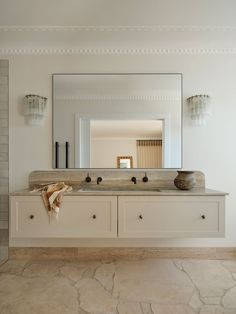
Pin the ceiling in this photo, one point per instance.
(117, 12)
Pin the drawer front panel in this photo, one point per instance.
(178, 217)
(78, 217)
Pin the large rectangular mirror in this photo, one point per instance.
(117, 120)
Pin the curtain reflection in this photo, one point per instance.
(149, 153)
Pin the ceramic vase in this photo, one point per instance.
(185, 180)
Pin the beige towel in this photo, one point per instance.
(52, 195)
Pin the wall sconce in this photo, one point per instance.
(34, 109)
(199, 106)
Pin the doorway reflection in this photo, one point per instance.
(126, 143)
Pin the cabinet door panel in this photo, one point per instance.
(78, 217)
(190, 216)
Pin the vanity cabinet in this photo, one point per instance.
(116, 216)
(80, 216)
(175, 216)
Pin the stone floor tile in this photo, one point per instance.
(147, 286)
(43, 268)
(13, 267)
(152, 281)
(83, 312)
(215, 309)
(195, 302)
(129, 308)
(210, 277)
(171, 309)
(80, 283)
(230, 265)
(211, 300)
(85, 264)
(24, 295)
(229, 300)
(104, 274)
(73, 272)
(146, 308)
(95, 299)
(178, 263)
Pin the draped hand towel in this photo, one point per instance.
(52, 195)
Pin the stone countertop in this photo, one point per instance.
(162, 192)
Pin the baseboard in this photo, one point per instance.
(120, 253)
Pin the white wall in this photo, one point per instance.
(211, 149)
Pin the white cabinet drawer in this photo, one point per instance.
(80, 216)
(180, 216)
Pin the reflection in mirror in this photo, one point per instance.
(140, 140)
(117, 120)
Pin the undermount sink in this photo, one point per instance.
(105, 188)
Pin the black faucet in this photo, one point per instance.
(99, 179)
(133, 179)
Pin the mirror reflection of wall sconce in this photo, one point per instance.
(124, 162)
(199, 107)
(34, 109)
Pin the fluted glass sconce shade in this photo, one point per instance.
(34, 109)
(199, 107)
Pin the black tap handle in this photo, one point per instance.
(88, 178)
(145, 178)
(67, 154)
(56, 154)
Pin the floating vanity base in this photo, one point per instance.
(116, 218)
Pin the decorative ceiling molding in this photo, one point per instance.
(117, 51)
(117, 40)
(119, 97)
(155, 28)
